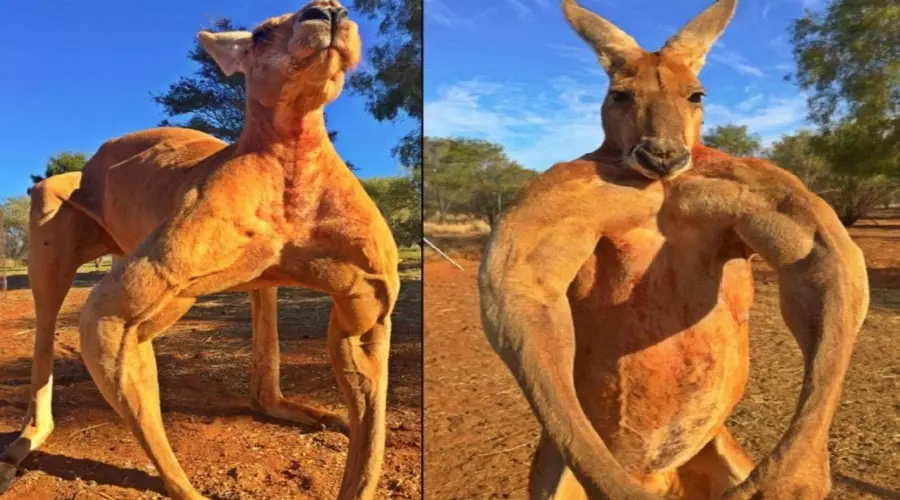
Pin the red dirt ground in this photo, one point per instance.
(227, 451)
(480, 433)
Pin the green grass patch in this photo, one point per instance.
(411, 263)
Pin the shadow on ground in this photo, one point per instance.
(72, 469)
(865, 487)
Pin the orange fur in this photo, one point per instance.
(192, 216)
(619, 295)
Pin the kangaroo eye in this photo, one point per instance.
(620, 96)
(697, 97)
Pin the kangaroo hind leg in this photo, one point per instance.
(61, 238)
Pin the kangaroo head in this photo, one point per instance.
(300, 57)
(654, 109)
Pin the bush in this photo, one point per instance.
(854, 197)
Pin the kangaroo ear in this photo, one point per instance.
(693, 42)
(229, 49)
(613, 46)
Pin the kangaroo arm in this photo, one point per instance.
(824, 297)
(537, 344)
(533, 256)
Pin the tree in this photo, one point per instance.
(397, 199)
(450, 171)
(15, 226)
(61, 163)
(212, 102)
(394, 85)
(851, 196)
(797, 154)
(470, 176)
(733, 139)
(497, 185)
(855, 148)
(848, 61)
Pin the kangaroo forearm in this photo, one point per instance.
(824, 306)
(537, 343)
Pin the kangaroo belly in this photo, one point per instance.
(661, 358)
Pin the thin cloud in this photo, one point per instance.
(722, 55)
(521, 9)
(582, 54)
(750, 103)
(525, 9)
(779, 42)
(438, 12)
(765, 12)
(537, 127)
(771, 117)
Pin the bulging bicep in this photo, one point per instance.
(539, 258)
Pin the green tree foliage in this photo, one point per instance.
(497, 185)
(60, 163)
(210, 101)
(797, 154)
(15, 226)
(848, 61)
(855, 148)
(394, 84)
(851, 196)
(392, 88)
(449, 172)
(398, 200)
(470, 176)
(734, 139)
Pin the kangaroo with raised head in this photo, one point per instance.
(191, 216)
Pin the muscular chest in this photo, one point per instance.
(661, 332)
(669, 261)
(663, 279)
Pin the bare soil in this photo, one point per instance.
(228, 451)
(480, 433)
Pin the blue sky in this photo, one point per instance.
(77, 73)
(514, 73)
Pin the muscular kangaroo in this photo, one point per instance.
(618, 291)
(192, 215)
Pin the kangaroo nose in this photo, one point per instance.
(662, 156)
(335, 15)
(315, 14)
(339, 14)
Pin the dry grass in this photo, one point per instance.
(457, 228)
(459, 237)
